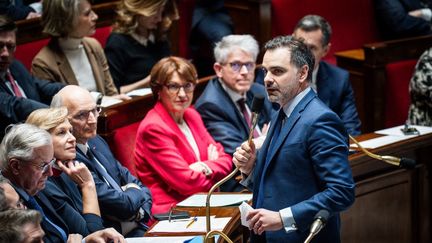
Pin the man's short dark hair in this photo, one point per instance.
(316, 22)
(300, 53)
(12, 222)
(7, 24)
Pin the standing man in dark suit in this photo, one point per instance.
(330, 82)
(20, 93)
(302, 167)
(124, 201)
(225, 104)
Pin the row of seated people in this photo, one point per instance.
(232, 65)
(83, 112)
(170, 130)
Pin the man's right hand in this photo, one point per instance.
(244, 157)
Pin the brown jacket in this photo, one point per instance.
(51, 64)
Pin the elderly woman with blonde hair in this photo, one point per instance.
(139, 40)
(79, 208)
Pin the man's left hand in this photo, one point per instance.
(261, 220)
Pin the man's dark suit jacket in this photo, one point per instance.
(51, 234)
(70, 208)
(305, 168)
(222, 118)
(395, 22)
(39, 93)
(334, 89)
(115, 204)
(16, 11)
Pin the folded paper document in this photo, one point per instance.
(216, 200)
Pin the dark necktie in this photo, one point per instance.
(103, 171)
(280, 121)
(14, 85)
(33, 204)
(246, 115)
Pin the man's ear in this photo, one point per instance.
(14, 166)
(217, 67)
(303, 72)
(326, 49)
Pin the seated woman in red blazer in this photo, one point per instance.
(175, 155)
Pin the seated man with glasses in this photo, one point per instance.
(225, 104)
(28, 154)
(175, 156)
(20, 93)
(125, 203)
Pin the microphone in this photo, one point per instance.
(405, 163)
(318, 224)
(257, 106)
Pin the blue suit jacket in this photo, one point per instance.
(334, 89)
(308, 170)
(51, 234)
(39, 93)
(70, 208)
(115, 204)
(222, 118)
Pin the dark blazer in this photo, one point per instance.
(69, 209)
(115, 204)
(222, 118)
(39, 93)
(16, 11)
(395, 22)
(51, 234)
(307, 170)
(334, 89)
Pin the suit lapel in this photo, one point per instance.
(64, 67)
(230, 107)
(285, 130)
(103, 160)
(169, 121)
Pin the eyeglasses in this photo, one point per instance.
(44, 167)
(174, 88)
(9, 46)
(237, 66)
(84, 115)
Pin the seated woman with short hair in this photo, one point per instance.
(175, 156)
(71, 57)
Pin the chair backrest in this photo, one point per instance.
(398, 76)
(361, 27)
(102, 34)
(27, 51)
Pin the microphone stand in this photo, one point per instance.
(209, 238)
(408, 164)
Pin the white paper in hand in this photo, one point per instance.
(244, 210)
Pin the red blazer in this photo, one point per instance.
(163, 156)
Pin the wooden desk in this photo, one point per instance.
(233, 229)
(392, 204)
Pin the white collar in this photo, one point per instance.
(288, 108)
